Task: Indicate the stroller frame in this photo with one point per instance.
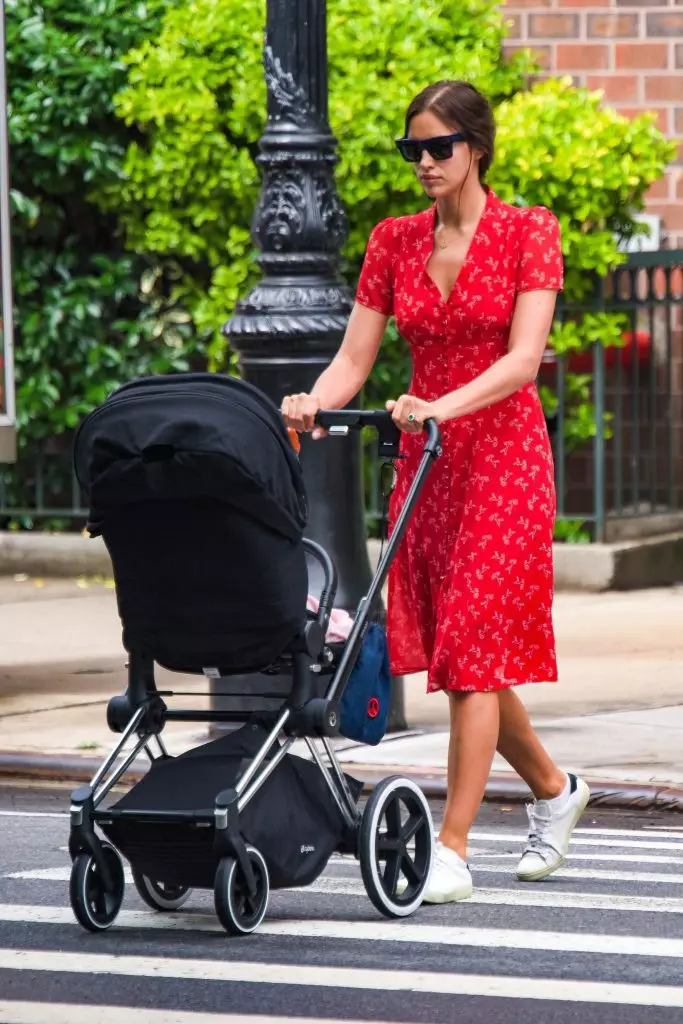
(241, 885)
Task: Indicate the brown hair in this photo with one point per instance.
(465, 109)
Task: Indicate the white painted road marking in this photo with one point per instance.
(71, 1013)
(373, 931)
(539, 896)
(239, 972)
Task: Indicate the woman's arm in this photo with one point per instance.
(351, 366)
(531, 323)
(346, 374)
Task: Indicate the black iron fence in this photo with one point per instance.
(615, 413)
(625, 479)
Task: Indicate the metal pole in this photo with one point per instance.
(291, 324)
(7, 411)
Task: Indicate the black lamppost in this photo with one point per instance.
(290, 325)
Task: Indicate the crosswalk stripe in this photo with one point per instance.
(34, 814)
(72, 1013)
(658, 877)
(618, 841)
(378, 931)
(536, 897)
(632, 833)
(656, 832)
(622, 858)
(342, 977)
(532, 897)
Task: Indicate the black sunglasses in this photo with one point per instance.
(439, 148)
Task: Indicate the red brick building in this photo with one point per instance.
(633, 50)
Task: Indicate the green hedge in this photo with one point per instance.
(81, 326)
(198, 97)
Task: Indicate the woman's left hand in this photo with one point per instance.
(409, 413)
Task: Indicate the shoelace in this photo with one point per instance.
(537, 841)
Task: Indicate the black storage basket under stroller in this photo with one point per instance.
(193, 484)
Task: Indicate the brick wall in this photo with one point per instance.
(633, 50)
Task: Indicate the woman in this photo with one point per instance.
(472, 283)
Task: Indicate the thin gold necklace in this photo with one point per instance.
(441, 244)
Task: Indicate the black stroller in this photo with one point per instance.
(194, 485)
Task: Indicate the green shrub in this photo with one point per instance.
(197, 96)
(558, 147)
(80, 325)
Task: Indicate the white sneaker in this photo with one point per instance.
(449, 878)
(550, 832)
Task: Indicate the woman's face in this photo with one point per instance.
(441, 177)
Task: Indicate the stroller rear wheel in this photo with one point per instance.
(159, 895)
(94, 907)
(238, 911)
(396, 846)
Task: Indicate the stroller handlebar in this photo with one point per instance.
(338, 421)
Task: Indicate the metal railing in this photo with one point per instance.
(624, 481)
(627, 480)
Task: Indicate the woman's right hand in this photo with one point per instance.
(299, 412)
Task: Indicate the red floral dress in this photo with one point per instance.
(471, 587)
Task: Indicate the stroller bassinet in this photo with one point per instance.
(194, 486)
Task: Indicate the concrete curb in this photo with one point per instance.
(625, 565)
(501, 788)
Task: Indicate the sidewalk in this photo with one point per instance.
(616, 714)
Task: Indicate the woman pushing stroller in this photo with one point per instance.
(472, 283)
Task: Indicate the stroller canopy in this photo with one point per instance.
(193, 435)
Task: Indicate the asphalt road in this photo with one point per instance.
(600, 942)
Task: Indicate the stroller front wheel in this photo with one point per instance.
(396, 846)
(158, 895)
(95, 907)
(238, 911)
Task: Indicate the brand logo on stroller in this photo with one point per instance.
(308, 849)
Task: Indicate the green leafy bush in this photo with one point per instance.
(81, 326)
(197, 96)
(559, 147)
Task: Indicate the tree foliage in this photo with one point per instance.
(80, 324)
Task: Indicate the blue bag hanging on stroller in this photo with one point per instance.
(366, 701)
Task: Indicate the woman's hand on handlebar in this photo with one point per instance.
(409, 413)
(299, 412)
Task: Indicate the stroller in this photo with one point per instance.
(194, 485)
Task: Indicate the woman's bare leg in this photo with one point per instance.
(522, 749)
(472, 744)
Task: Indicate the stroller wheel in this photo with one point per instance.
(158, 895)
(95, 908)
(237, 910)
(396, 846)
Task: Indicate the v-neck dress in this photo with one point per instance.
(471, 587)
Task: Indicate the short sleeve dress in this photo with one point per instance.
(471, 587)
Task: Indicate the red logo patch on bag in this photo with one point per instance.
(373, 707)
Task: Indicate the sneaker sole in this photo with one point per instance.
(451, 897)
(548, 869)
